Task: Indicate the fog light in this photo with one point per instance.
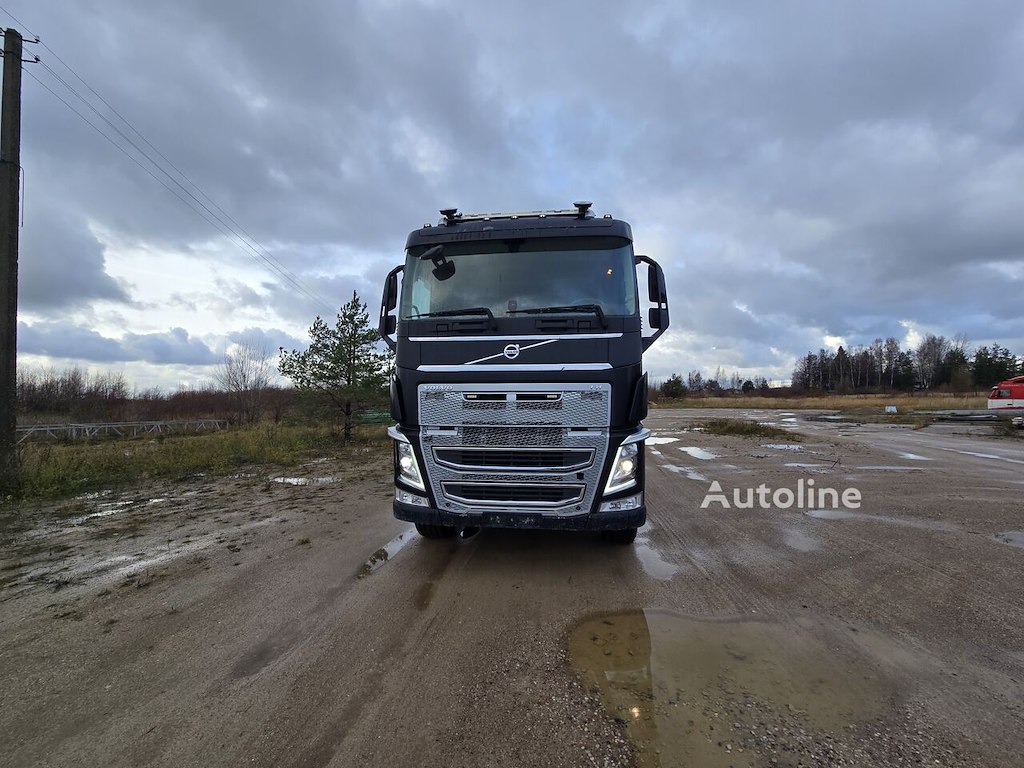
(410, 498)
(623, 505)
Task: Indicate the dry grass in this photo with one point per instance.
(54, 470)
(843, 403)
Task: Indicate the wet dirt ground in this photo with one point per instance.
(286, 619)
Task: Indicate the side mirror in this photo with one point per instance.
(656, 284)
(391, 292)
(389, 300)
(657, 316)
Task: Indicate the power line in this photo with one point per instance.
(220, 219)
(236, 233)
(19, 22)
(252, 243)
(211, 219)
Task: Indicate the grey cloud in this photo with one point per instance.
(268, 339)
(833, 168)
(61, 263)
(64, 340)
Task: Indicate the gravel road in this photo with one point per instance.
(274, 620)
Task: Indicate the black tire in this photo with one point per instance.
(625, 536)
(435, 531)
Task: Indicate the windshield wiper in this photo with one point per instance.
(457, 313)
(594, 308)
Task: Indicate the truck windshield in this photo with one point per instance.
(511, 277)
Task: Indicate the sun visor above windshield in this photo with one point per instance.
(521, 228)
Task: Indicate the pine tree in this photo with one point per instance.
(342, 363)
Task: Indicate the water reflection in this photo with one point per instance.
(715, 693)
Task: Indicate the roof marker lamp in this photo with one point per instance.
(623, 474)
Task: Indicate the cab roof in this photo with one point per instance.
(572, 222)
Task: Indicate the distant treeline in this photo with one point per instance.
(936, 363)
(695, 385)
(74, 395)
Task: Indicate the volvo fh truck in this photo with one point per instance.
(519, 390)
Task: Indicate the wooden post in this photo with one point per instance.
(10, 178)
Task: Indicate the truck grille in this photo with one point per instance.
(581, 405)
(529, 459)
(503, 494)
(523, 447)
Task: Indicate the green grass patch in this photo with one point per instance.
(744, 428)
(51, 470)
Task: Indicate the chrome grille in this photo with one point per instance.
(574, 405)
(529, 448)
(503, 494)
(516, 459)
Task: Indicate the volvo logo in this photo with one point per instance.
(510, 352)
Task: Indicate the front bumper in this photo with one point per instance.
(594, 521)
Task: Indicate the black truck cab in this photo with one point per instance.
(518, 390)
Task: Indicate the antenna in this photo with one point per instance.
(582, 206)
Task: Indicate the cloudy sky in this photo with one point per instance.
(808, 174)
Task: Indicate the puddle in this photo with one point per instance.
(906, 522)
(994, 456)
(651, 561)
(799, 540)
(85, 568)
(385, 553)
(105, 510)
(783, 446)
(304, 480)
(717, 693)
(912, 456)
(1013, 538)
(698, 453)
(92, 495)
(810, 466)
(891, 468)
(661, 440)
(691, 474)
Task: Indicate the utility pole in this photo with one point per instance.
(10, 204)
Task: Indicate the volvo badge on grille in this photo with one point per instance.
(512, 351)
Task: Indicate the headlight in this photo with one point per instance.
(408, 468)
(623, 473)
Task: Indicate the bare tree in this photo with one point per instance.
(245, 376)
(928, 358)
(891, 353)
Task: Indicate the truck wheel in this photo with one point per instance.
(435, 531)
(625, 536)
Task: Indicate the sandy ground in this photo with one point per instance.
(291, 621)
